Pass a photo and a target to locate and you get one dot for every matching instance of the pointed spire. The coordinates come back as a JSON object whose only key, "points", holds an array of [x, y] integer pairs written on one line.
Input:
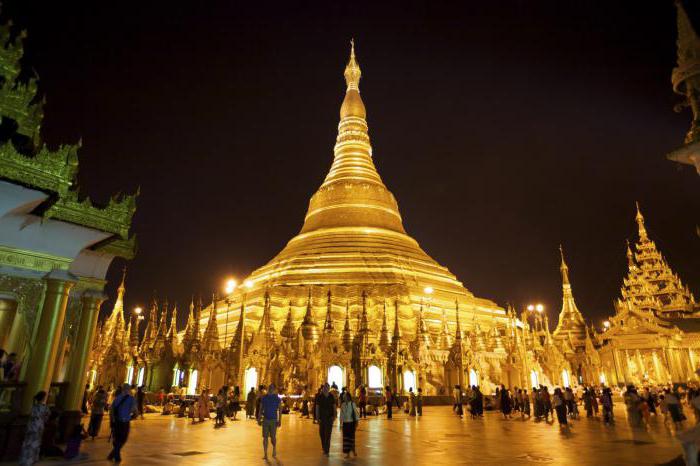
{"points": [[353, 168], [172, 331], [352, 70], [267, 330], [347, 331], [640, 223], [564, 268], [328, 325], [288, 330], [210, 339], [384, 343], [364, 324], [396, 337], [309, 328], [445, 341], [630, 256]]}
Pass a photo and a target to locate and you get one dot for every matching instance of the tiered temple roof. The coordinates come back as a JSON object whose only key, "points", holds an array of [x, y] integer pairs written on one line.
{"points": [[651, 284]]}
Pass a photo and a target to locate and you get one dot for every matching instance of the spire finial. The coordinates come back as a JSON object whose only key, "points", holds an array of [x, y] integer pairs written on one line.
{"points": [[352, 70], [564, 268], [640, 223]]}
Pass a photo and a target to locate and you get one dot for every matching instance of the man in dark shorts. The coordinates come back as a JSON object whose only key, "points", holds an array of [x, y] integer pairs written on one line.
{"points": [[270, 419]]}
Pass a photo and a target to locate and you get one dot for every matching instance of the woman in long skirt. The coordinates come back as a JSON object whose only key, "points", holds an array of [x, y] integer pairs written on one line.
{"points": [[235, 402], [35, 430], [203, 405], [97, 411], [348, 418], [505, 403], [250, 403], [560, 407]]}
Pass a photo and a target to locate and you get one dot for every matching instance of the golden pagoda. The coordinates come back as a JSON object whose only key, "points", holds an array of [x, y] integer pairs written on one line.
{"points": [[352, 256]]}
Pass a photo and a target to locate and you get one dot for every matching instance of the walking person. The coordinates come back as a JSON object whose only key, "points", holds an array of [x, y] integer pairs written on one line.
{"points": [[305, 403], [140, 399], [235, 402], [203, 405], [325, 413], [122, 410], [547, 403], [606, 401], [97, 411], [506, 407], [411, 402], [270, 418], [250, 404], [220, 419], [457, 393], [388, 400], [31, 446], [362, 399], [261, 393], [674, 407], [560, 407], [348, 418], [419, 402]]}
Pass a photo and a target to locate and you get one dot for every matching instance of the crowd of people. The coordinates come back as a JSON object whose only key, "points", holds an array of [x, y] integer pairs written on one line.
{"points": [[329, 405]]}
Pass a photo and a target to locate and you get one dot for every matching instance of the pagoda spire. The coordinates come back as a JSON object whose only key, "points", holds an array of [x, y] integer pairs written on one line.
{"points": [[630, 257], [288, 331], [266, 329], [309, 328], [328, 325], [564, 268], [570, 318], [347, 331], [396, 337], [353, 189], [210, 339], [364, 324], [445, 341], [640, 224], [384, 342], [172, 331]]}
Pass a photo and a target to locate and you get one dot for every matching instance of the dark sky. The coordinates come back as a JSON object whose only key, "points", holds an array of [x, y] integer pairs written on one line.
{"points": [[503, 128]]}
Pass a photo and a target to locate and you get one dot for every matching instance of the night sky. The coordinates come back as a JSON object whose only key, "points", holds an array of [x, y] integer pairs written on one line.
{"points": [[503, 128]]}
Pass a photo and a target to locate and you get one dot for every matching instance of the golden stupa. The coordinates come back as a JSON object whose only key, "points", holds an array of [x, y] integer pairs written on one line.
{"points": [[353, 242]]}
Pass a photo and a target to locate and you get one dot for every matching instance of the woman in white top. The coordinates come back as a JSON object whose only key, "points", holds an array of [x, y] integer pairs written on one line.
{"points": [[348, 418]]}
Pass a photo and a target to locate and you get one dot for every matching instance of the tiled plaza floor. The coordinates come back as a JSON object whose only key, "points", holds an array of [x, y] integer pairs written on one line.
{"points": [[437, 438]]}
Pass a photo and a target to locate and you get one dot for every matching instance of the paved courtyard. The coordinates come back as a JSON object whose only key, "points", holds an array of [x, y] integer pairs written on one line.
{"points": [[437, 438]]}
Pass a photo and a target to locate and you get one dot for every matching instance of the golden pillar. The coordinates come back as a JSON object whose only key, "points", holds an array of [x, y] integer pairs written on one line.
{"points": [[42, 356], [8, 311], [76, 374]]}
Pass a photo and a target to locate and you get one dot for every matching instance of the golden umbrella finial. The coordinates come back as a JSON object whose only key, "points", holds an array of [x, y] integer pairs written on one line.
{"points": [[352, 70]]}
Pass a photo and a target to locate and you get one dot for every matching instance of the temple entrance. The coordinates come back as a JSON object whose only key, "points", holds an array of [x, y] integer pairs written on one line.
{"points": [[374, 377], [565, 381], [129, 374], [336, 376], [603, 380], [192, 385], [534, 378], [177, 376], [251, 379], [473, 378], [409, 380]]}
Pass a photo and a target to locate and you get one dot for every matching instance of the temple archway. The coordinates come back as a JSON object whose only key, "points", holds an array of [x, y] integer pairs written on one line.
{"points": [[140, 376], [374, 377], [409, 380], [473, 378], [192, 385], [336, 375], [251, 379], [565, 378], [534, 378]]}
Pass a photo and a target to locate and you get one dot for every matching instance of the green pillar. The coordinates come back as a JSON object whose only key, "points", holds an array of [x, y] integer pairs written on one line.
{"points": [[42, 357], [76, 375]]}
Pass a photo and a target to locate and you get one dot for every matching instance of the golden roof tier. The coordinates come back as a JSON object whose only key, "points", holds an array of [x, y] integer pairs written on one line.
{"points": [[651, 285]]}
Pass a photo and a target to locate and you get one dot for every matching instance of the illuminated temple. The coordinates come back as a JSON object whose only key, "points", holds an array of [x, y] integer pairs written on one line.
{"points": [[353, 299]]}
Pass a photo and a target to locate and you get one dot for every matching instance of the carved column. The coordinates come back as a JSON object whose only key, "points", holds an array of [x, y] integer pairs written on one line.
{"points": [[76, 374], [42, 357]]}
